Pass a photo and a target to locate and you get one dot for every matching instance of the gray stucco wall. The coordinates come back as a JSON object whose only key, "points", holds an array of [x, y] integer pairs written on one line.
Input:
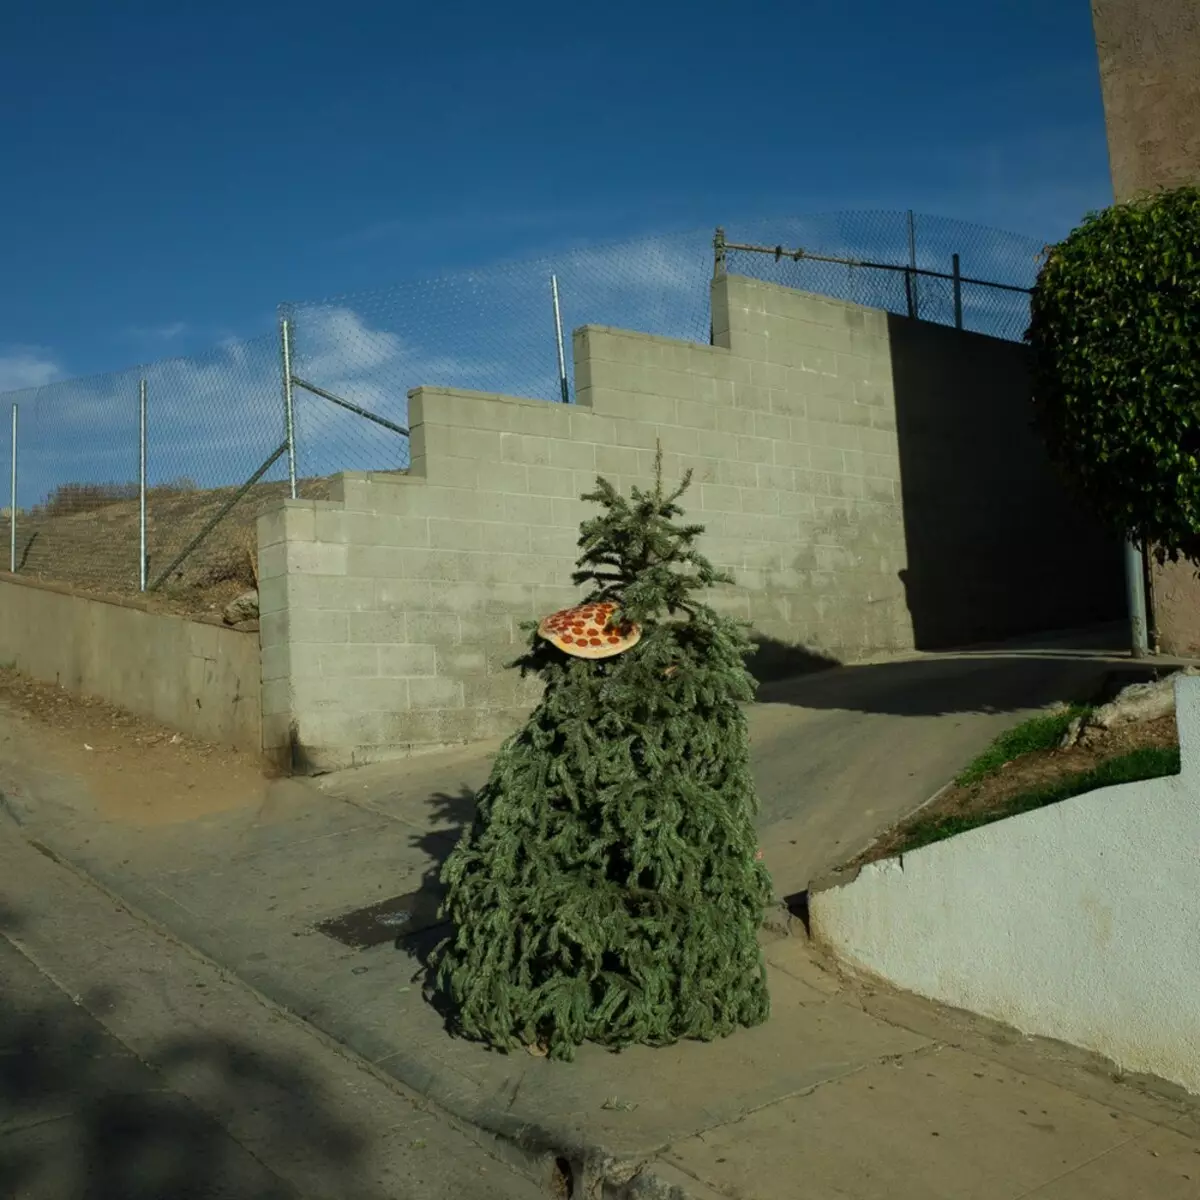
{"points": [[390, 613]]}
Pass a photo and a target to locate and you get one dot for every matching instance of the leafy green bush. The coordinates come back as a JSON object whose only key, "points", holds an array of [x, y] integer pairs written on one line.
{"points": [[1115, 333]]}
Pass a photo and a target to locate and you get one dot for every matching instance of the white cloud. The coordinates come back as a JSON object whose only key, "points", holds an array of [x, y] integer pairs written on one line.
{"points": [[160, 333], [27, 367]]}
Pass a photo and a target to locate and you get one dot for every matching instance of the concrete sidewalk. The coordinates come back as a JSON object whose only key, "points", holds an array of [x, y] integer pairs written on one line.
{"points": [[847, 1091]]}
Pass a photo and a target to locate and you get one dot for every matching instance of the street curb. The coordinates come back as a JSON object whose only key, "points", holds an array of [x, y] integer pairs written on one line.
{"points": [[589, 1170]]}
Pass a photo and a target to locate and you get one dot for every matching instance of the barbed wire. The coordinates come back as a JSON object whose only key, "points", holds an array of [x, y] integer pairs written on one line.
{"points": [[214, 420]]}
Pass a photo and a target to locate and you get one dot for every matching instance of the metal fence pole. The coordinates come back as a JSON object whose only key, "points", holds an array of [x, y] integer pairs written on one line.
{"points": [[142, 557], [289, 412], [957, 270], [563, 387], [910, 276], [1135, 592], [12, 499], [718, 253]]}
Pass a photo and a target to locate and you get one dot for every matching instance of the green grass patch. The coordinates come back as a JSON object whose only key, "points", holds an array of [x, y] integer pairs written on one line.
{"points": [[1043, 732], [1150, 762]]}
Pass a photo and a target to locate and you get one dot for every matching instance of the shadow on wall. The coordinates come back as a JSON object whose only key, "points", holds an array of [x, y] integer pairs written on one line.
{"points": [[82, 1116], [773, 660], [997, 547]]}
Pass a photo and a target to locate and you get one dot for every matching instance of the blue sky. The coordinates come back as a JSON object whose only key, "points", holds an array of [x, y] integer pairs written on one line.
{"points": [[172, 172]]}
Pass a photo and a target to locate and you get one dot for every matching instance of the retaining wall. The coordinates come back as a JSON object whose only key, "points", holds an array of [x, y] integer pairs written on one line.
{"points": [[200, 678], [390, 613], [1076, 922]]}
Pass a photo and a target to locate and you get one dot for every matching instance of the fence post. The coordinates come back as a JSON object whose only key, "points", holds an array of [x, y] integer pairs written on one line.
{"points": [[289, 413], [142, 556], [957, 270], [12, 499], [563, 387], [910, 276]]}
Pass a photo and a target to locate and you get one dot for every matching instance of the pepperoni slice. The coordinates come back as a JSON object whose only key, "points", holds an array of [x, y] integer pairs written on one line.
{"points": [[613, 640], [566, 637], [594, 641]]}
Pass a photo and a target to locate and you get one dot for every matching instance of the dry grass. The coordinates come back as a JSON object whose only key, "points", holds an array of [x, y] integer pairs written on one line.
{"points": [[87, 536]]}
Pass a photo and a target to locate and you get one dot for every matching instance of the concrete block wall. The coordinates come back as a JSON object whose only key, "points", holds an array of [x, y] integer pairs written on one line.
{"points": [[390, 613]]}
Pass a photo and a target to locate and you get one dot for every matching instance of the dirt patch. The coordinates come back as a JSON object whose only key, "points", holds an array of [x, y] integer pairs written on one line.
{"points": [[1028, 773], [92, 544], [137, 771]]}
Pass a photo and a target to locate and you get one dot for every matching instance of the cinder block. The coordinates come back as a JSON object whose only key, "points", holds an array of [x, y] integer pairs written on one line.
{"points": [[272, 561], [273, 592], [276, 696], [882, 466], [720, 498], [854, 462], [525, 449], [442, 441], [316, 558], [557, 543], [454, 535], [369, 695], [458, 598], [492, 691], [572, 455], [533, 511], [406, 595], [348, 661], [551, 481], [878, 441], [733, 473], [276, 661], [407, 660], [827, 458], [353, 490], [874, 394], [379, 562], [456, 472], [776, 478], [490, 629], [798, 503], [881, 490], [754, 449], [616, 460], [377, 627], [735, 421], [461, 661], [543, 418], [310, 625], [434, 628], [435, 692], [760, 501]]}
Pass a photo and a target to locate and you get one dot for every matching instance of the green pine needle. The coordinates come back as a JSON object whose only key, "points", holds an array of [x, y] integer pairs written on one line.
{"points": [[607, 890]]}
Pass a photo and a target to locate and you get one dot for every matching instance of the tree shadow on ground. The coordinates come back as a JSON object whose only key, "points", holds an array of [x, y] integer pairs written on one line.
{"points": [[1011, 677], [84, 1118], [457, 809]]}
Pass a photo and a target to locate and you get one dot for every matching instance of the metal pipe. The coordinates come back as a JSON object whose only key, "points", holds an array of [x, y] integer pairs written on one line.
{"points": [[1135, 591], [910, 279], [219, 516], [12, 499], [957, 292], [719, 248], [797, 255], [563, 387], [289, 412], [142, 558], [354, 408]]}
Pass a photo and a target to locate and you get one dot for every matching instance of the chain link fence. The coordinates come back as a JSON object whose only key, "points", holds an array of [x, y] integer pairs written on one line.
{"points": [[151, 479]]}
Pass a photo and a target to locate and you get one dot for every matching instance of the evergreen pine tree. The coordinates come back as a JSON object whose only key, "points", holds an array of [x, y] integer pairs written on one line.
{"points": [[608, 888]]}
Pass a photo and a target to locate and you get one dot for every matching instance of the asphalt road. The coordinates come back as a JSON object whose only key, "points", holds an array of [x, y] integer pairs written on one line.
{"points": [[131, 1068]]}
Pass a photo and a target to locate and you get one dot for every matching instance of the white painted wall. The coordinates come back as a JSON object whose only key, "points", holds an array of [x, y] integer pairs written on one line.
{"points": [[1080, 921]]}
